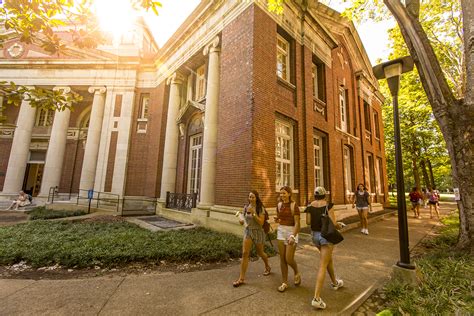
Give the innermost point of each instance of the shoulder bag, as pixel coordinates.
(328, 230)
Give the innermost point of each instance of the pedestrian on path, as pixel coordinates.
(253, 217)
(433, 201)
(288, 218)
(361, 201)
(415, 199)
(22, 200)
(314, 212)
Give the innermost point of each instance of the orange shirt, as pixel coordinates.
(285, 215)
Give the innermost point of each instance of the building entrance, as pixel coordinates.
(33, 177)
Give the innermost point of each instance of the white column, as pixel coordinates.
(168, 178)
(209, 150)
(93, 139)
(56, 149)
(20, 149)
(119, 177)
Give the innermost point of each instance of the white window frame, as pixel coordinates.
(46, 120)
(347, 170)
(282, 161)
(200, 84)
(378, 175)
(195, 163)
(144, 106)
(283, 59)
(315, 79)
(318, 150)
(343, 109)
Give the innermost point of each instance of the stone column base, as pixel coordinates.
(404, 275)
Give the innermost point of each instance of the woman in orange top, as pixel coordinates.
(288, 218)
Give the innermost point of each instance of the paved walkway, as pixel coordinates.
(363, 262)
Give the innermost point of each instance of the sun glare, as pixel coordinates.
(115, 16)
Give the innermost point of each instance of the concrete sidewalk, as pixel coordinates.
(363, 262)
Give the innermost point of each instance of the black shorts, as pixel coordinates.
(432, 202)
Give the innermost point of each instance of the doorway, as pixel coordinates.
(33, 177)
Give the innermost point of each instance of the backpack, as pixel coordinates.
(30, 198)
(266, 224)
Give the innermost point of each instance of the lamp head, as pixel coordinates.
(393, 68)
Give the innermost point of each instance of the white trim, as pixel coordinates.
(290, 162)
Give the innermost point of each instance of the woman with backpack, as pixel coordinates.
(314, 213)
(433, 201)
(254, 217)
(288, 218)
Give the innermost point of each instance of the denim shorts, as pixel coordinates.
(319, 240)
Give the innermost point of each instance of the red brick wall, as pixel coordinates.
(144, 163)
(5, 147)
(235, 111)
(111, 161)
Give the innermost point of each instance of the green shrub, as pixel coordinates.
(43, 213)
(86, 244)
(445, 288)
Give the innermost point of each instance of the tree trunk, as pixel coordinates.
(416, 174)
(426, 179)
(430, 168)
(454, 117)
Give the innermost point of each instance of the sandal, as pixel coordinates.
(297, 279)
(238, 283)
(282, 287)
(267, 271)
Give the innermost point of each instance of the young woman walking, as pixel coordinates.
(362, 203)
(253, 217)
(288, 218)
(314, 213)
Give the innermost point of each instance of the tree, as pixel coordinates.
(453, 109)
(34, 22)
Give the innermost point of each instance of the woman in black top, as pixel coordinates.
(314, 211)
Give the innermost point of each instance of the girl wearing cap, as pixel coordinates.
(314, 211)
(288, 218)
(362, 203)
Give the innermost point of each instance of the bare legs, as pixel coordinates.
(363, 219)
(246, 247)
(436, 207)
(325, 264)
(287, 258)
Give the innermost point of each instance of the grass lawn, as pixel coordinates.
(446, 279)
(86, 244)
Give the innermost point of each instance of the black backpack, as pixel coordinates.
(30, 198)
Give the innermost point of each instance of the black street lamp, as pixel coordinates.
(391, 70)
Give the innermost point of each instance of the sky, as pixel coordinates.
(174, 12)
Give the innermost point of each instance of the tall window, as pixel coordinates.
(283, 58)
(284, 154)
(371, 173)
(200, 87)
(376, 123)
(368, 125)
(44, 117)
(319, 80)
(319, 147)
(195, 163)
(343, 109)
(144, 104)
(348, 157)
(379, 176)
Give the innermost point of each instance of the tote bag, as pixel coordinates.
(328, 231)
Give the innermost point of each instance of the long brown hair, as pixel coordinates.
(258, 202)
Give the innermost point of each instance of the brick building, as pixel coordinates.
(238, 99)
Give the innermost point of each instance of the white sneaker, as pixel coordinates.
(362, 231)
(318, 303)
(339, 284)
(366, 231)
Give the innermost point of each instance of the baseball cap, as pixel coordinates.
(320, 191)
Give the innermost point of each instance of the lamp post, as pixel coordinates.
(391, 70)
